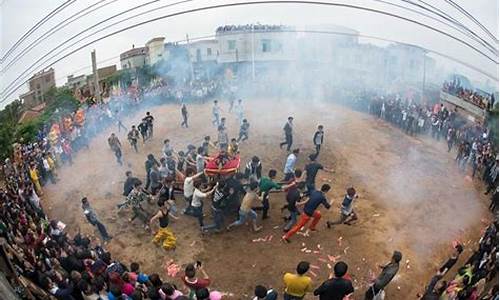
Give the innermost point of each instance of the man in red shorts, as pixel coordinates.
(310, 211)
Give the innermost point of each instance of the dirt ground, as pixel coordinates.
(412, 199)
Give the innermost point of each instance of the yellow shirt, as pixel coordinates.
(297, 285)
(232, 149)
(33, 174)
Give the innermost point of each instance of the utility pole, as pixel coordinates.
(97, 88)
(253, 53)
(189, 55)
(423, 78)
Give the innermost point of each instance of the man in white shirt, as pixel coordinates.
(216, 114)
(197, 202)
(189, 189)
(290, 164)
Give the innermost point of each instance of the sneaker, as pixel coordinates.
(284, 239)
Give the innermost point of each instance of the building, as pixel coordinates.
(31, 113)
(256, 43)
(38, 84)
(76, 82)
(156, 50)
(203, 57)
(102, 74)
(134, 58)
(203, 51)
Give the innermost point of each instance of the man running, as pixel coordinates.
(92, 218)
(148, 165)
(149, 122)
(189, 189)
(239, 111)
(133, 137)
(116, 146)
(312, 169)
(253, 169)
(164, 235)
(216, 114)
(251, 199)
(219, 202)
(266, 184)
(347, 214)
(290, 165)
(222, 138)
(316, 198)
(197, 202)
(243, 136)
(143, 129)
(135, 199)
(288, 129)
(129, 183)
(318, 139)
(184, 113)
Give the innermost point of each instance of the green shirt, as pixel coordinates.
(266, 184)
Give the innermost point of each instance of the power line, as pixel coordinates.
(454, 25)
(471, 17)
(446, 16)
(36, 26)
(173, 4)
(53, 30)
(93, 33)
(256, 3)
(472, 67)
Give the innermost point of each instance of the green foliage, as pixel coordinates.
(60, 101)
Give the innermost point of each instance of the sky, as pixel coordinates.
(18, 16)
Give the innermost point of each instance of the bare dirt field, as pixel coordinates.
(412, 199)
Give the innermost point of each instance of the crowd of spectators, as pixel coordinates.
(249, 27)
(470, 282)
(455, 88)
(76, 267)
(476, 152)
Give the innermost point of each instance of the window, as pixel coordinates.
(266, 45)
(37, 86)
(47, 79)
(198, 55)
(209, 51)
(231, 45)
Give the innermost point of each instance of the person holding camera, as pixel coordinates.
(192, 282)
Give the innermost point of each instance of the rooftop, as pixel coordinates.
(250, 27)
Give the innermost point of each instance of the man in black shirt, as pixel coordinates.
(133, 136)
(236, 193)
(253, 169)
(129, 183)
(452, 260)
(148, 165)
(335, 288)
(293, 197)
(312, 169)
(219, 203)
(288, 129)
(184, 113)
(149, 124)
(143, 128)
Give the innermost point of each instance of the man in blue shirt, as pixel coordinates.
(316, 198)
